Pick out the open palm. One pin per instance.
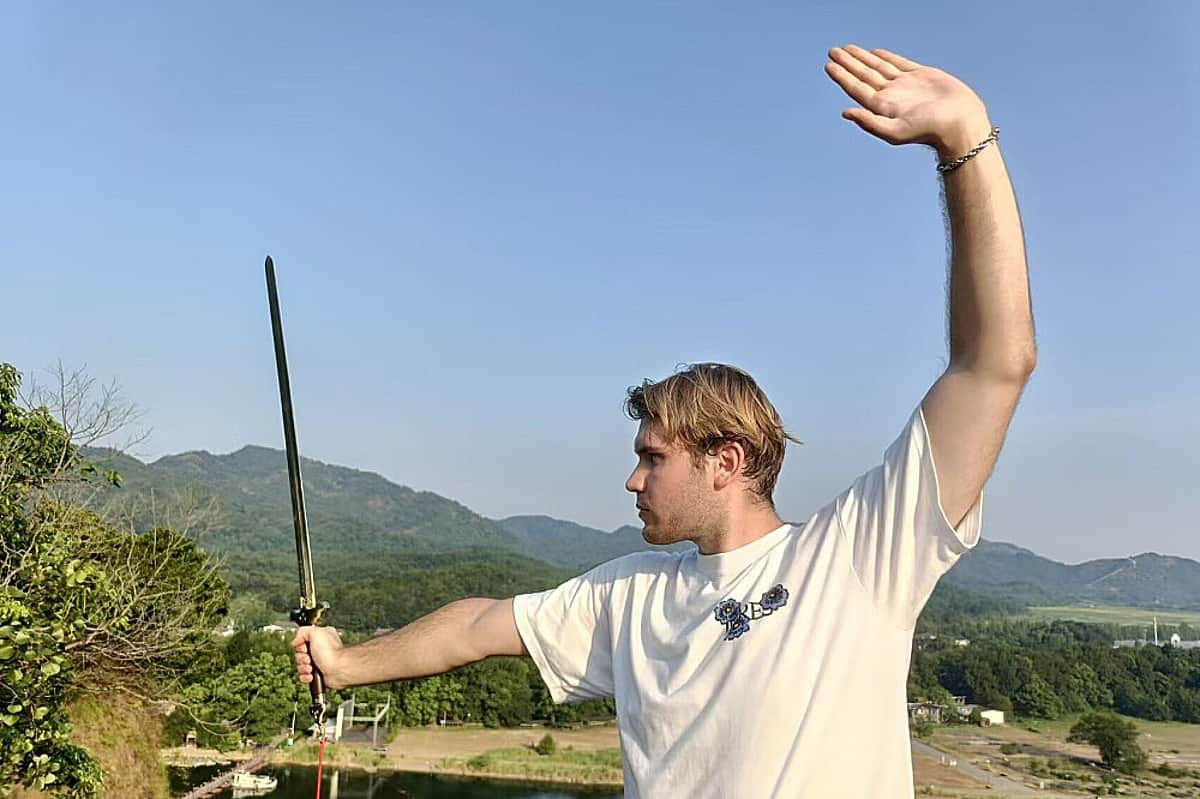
(903, 102)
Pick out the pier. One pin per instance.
(222, 781)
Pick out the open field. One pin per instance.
(1037, 753)
(590, 756)
(587, 756)
(1115, 615)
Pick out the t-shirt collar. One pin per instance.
(722, 564)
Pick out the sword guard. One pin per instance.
(309, 617)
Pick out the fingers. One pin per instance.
(860, 69)
(325, 639)
(885, 128)
(303, 667)
(300, 652)
(886, 69)
(898, 61)
(851, 85)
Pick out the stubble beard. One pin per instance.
(695, 521)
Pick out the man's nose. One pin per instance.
(634, 484)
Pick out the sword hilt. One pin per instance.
(311, 617)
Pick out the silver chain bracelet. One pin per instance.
(950, 166)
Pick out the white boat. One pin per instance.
(243, 781)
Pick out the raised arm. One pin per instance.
(992, 349)
(459, 633)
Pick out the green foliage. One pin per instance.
(372, 590)
(480, 763)
(1036, 698)
(237, 648)
(546, 746)
(1047, 669)
(80, 601)
(425, 701)
(564, 766)
(923, 729)
(43, 581)
(498, 690)
(1115, 737)
(253, 699)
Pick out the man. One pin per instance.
(772, 660)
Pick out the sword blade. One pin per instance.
(310, 611)
(308, 591)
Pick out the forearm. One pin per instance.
(433, 644)
(990, 317)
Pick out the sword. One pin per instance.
(310, 612)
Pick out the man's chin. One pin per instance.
(656, 536)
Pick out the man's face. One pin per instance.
(675, 499)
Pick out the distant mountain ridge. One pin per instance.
(570, 544)
(1147, 580)
(351, 511)
(347, 509)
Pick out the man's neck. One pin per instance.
(743, 528)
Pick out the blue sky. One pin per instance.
(490, 219)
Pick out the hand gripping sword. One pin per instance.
(310, 611)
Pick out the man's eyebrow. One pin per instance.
(647, 449)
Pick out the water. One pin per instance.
(300, 782)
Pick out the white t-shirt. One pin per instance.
(775, 670)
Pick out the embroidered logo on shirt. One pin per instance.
(736, 616)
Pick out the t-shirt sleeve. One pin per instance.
(567, 633)
(892, 516)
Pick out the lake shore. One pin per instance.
(470, 752)
(588, 758)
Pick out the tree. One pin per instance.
(1036, 698)
(83, 605)
(498, 690)
(1115, 737)
(253, 699)
(39, 573)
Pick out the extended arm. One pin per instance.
(992, 350)
(459, 633)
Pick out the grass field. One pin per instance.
(598, 767)
(1116, 615)
(1030, 753)
(1034, 753)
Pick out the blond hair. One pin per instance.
(704, 405)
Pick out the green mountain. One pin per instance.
(1148, 580)
(569, 544)
(349, 511)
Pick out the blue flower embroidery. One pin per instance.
(728, 610)
(774, 599)
(739, 625)
(733, 615)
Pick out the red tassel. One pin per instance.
(320, 757)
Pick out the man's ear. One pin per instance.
(729, 458)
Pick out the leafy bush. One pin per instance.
(546, 746)
(480, 763)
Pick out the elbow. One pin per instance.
(1013, 365)
(1023, 362)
